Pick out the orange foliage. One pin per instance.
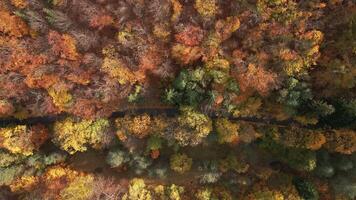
(63, 45)
(100, 21)
(6, 108)
(12, 25)
(24, 62)
(341, 141)
(190, 36)
(257, 78)
(155, 154)
(19, 3)
(185, 54)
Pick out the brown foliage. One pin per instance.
(101, 21)
(259, 79)
(341, 141)
(39, 135)
(190, 36)
(63, 45)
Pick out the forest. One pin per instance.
(177, 99)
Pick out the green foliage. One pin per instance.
(73, 136)
(294, 93)
(117, 158)
(9, 174)
(344, 115)
(54, 158)
(137, 191)
(135, 96)
(7, 159)
(58, 19)
(154, 143)
(344, 185)
(180, 163)
(81, 188)
(227, 131)
(193, 86)
(140, 163)
(306, 189)
(300, 159)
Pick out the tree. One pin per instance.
(139, 126)
(12, 25)
(117, 158)
(341, 141)
(137, 191)
(17, 140)
(73, 135)
(306, 189)
(227, 131)
(206, 8)
(190, 36)
(259, 79)
(180, 163)
(193, 127)
(81, 188)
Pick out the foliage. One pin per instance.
(180, 163)
(300, 159)
(73, 136)
(206, 8)
(137, 191)
(17, 140)
(193, 127)
(306, 189)
(81, 188)
(117, 158)
(12, 25)
(139, 126)
(341, 141)
(227, 131)
(9, 174)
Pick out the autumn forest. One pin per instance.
(177, 99)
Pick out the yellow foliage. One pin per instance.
(81, 188)
(137, 191)
(177, 10)
(161, 31)
(60, 97)
(27, 183)
(185, 54)
(206, 8)
(218, 63)
(139, 126)
(180, 163)
(58, 172)
(17, 140)
(224, 28)
(117, 69)
(74, 136)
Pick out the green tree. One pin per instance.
(180, 163)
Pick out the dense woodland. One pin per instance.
(177, 99)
